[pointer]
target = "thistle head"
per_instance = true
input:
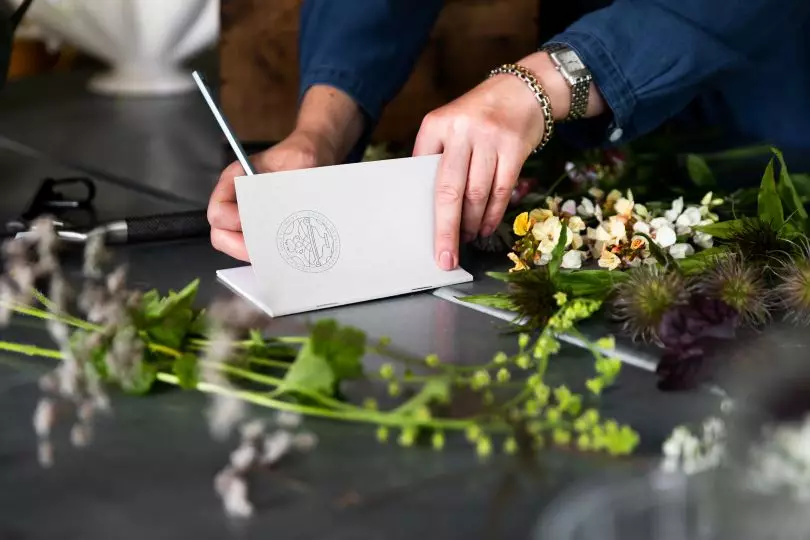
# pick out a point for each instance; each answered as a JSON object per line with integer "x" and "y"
{"x": 741, "y": 285}
{"x": 532, "y": 293}
{"x": 793, "y": 291}
{"x": 760, "y": 241}
{"x": 639, "y": 303}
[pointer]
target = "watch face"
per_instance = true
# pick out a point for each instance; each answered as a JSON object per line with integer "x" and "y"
{"x": 569, "y": 61}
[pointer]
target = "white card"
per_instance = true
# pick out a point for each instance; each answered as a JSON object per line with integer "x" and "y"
{"x": 331, "y": 236}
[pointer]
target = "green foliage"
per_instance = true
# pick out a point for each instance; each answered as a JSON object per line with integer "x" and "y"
{"x": 588, "y": 283}
{"x": 168, "y": 320}
{"x": 699, "y": 172}
{"x": 557, "y": 253}
{"x": 496, "y": 300}
{"x": 331, "y": 355}
{"x": 770, "y": 208}
{"x": 186, "y": 369}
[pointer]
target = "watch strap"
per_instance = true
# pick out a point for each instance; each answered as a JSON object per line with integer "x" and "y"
{"x": 580, "y": 86}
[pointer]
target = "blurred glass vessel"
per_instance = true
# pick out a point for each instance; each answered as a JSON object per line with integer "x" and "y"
{"x": 143, "y": 41}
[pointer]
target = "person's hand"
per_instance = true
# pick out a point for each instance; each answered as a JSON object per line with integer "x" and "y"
{"x": 301, "y": 150}
{"x": 485, "y": 137}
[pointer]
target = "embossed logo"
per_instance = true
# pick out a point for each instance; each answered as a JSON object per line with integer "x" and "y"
{"x": 308, "y": 242}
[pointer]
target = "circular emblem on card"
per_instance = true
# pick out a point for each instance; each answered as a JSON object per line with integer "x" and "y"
{"x": 308, "y": 242}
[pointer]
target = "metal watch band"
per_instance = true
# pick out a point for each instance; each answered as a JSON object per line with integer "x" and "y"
{"x": 580, "y": 86}
{"x": 539, "y": 93}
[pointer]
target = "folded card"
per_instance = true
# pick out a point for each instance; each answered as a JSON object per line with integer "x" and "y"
{"x": 331, "y": 236}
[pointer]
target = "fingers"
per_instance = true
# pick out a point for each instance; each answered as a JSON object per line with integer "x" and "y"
{"x": 479, "y": 184}
{"x": 506, "y": 174}
{"x": 231, "y": 243}
{"x": 222, "y": 210}
{"x": 451, "y": 182}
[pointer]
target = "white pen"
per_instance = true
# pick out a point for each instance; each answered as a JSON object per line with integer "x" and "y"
{"x": 223, "y": 124}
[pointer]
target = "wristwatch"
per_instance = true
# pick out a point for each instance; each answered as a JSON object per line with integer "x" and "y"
{"x": 575, "y": 74}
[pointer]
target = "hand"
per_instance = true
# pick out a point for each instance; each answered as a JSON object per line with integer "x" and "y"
{"x": 485, "y": 137}
{"x": 301, "y": 150}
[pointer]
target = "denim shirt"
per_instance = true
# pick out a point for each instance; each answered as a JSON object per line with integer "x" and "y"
{"x": 744, "y": 63}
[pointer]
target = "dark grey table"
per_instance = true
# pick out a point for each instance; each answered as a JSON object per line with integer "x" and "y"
{"x": 148, "y": 474}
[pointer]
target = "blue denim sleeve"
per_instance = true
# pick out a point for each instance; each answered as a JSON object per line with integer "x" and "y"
{"x": 366, "y": 48}
{"x": 651, "y": 58}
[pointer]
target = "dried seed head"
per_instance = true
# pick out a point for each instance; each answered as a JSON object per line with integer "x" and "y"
{"x": 244, "y": 457}
{"x": 45, "y": 453}
{"x": 234, "y": 493}
{"x": 80, "y": 435}
{"x": 95, "y": 255}
{"x": 288, "y": 419}
{"x": 44, "y": 417}
{"x": 640, "y": 301}
{"x": 741, "y": 286}
{"x": 304, "y": 442}
{"x": 276, "y": 446}
{"x": 793, "y": 293}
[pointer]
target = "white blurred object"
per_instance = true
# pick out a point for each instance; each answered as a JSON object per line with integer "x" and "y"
{"x": 143, "y": 41}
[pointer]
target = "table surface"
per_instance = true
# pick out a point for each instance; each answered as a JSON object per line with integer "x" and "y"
{"x": 149, "y": 473}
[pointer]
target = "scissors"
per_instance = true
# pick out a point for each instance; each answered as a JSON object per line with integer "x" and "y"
{"x": 74, "y": 219}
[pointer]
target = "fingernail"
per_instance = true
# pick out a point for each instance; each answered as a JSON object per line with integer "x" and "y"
{"x": 447, "y": 261}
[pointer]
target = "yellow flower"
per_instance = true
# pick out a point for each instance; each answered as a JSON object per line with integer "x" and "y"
{"x": 609, "y": 260}
{"x": 519, "y": 265}
{"x": 522, "y": 224}
{"x": 637, "y": 243}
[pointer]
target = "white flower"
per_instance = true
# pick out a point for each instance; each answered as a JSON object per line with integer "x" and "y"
{"x": 665, "y": 237}
{"x": 659, "y": 222}
{"x": 572, "y": 259}
{"x": 596, "y": 193}
{"x": 586, "y": 208}
{"x": 553, "y": 204}
{"x": 681, "y": 251}
{"x": 543, "y": 259}
{"x": 577, "y": 241}
{"x": 690, "y": 217}
{"x": 641, "y": 227}
{"x": 569, "y": 207}
{"x": 641, "y": 211}
{"x": 676, "y": 210}
{"x": 575, "y": 223}
{"x": 624, "y": 207}
{"x": 616, "y": 229}
{"x": 703, "y": 240}
{"x": 609, "y": 260}
{"x": 547, "y": 233}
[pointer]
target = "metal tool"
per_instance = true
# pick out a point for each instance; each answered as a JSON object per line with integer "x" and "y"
{"x": 223, "y": 125}
{"x": 161, "y": 227}
{"x": 73, "y": 216}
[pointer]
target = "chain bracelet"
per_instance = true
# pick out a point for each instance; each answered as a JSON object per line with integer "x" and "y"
{"x": 539, "y": 93}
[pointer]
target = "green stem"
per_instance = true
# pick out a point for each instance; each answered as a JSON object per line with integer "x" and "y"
{"x": 30, "y": 350}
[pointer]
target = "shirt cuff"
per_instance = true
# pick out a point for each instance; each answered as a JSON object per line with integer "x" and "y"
{"x": 613, "y": 86}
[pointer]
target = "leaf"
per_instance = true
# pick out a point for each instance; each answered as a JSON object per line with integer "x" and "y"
{"x": 199, "y": 325}
{"x": 802, "y": 184}
{"x": 142, "y": 380}
{"x": 342, "y": 348}
{"x": 697, "y": 262}
{"x": 769, "y": 204}
{"x": 597, "y": 283}
{"x": 309, "y": 371}
{"x": 663, "y": 257}
{"x": 787, "y": 193}
{"x": 168, "y": 320}
{"x": 557, "y": 253}
{"x": 186, "y": 369}
{"x": 724, "y": 230}
{"x": 497, "y": 300}
{"x": 500, "y": 276}
{"x": 434, "y": 390}
{"x": 699, "y": 171}
{"x": 332, "y": 354}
